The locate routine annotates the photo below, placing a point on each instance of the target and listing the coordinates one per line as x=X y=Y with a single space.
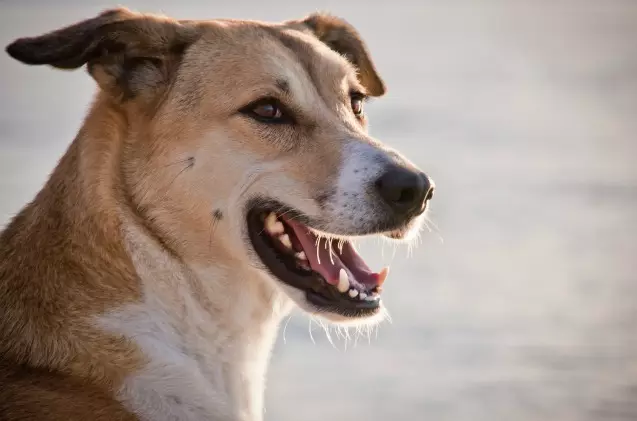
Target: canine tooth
x=301 y=255
x=278 y=228
x=353 y=293
x=362 y=296
x=270 y=220
x=285 y=240
x=370 y=298
x=272 y=225
x=382 y=275
x=343 y=281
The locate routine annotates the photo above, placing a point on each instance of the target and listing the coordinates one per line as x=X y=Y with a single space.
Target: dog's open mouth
x=332 y=274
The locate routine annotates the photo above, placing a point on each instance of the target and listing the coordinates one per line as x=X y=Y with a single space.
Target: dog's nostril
x=430 y=194
x=407 y=195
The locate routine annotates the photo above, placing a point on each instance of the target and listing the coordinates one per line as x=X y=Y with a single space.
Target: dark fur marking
x=283 y=85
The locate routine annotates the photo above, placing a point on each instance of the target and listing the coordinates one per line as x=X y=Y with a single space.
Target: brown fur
x=62 y=258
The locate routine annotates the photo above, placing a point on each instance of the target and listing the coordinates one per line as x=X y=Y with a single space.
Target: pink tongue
x=330 y=266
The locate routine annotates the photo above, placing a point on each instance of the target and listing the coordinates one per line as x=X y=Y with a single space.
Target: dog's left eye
x=357 y=101
x=267 y=110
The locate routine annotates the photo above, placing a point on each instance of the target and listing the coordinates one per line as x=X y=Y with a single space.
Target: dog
x=217 y=182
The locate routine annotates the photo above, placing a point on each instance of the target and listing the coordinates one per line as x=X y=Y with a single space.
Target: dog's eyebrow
x=283 y=85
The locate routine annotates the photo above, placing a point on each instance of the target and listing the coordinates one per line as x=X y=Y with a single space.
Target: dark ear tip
x=376 y=87
x=18 y=50
x=321 y=21
x=379 y=90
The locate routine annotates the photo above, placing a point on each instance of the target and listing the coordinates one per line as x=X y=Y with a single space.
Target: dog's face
x=247 y=145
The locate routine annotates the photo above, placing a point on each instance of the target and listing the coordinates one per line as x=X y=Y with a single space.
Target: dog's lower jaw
x=208 y=360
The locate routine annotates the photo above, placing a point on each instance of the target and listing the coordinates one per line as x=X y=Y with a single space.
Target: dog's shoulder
x=30 y=394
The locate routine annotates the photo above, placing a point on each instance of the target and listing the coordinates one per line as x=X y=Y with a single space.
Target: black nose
x=404 y=190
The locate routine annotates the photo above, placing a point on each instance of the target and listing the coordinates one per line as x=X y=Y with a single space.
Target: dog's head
x=247 y=145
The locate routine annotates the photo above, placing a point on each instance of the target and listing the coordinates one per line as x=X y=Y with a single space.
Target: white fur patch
x=351 y=207
x=206 y=350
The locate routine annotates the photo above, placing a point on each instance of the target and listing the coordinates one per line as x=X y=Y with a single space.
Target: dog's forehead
x=261 y=51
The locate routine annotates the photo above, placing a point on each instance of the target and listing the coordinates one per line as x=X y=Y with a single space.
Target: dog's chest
x=185 y=374
x=195 y=369
x=204 y=359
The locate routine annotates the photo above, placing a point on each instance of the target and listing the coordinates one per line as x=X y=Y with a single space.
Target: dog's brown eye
x=268 y=110
x=357 y=100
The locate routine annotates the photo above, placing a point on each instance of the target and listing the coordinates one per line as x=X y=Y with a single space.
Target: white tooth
x=343 y=281
x=272 y=225
x=353 y=293
x=269 y=222
x=383 y=275
x=301 y=255
x=371 y=298
x=285 y=240
x=277 y=228
x=362 y=296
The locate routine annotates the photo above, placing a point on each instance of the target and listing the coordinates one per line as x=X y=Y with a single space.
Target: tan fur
x=126 y=282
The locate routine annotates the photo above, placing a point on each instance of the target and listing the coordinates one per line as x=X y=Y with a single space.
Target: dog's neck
x=199 y=336
x=207 y=332
x=207 y=329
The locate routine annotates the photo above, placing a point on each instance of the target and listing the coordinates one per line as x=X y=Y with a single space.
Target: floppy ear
x=341 y=37
x=128 y=54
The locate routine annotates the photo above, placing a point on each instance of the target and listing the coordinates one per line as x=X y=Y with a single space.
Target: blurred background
x=521 y=303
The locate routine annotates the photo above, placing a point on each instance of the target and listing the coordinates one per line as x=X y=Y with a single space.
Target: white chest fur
x=206 y=337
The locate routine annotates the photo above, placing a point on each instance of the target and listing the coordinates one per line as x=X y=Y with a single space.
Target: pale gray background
x=525 y=114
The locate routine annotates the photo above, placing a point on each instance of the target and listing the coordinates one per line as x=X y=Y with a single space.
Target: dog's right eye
x=267 y=110
x=270 y=111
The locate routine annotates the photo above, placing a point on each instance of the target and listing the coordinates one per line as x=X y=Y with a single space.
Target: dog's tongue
x=328 y=260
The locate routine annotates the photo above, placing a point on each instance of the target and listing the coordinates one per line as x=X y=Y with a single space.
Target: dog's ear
x=127 y=53
x=343 y=38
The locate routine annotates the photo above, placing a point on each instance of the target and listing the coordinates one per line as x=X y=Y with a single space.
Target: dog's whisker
x=309 y=329
x=430 y=221
x=284 y=213
x=436 y=230
x=285 y=327
x=347 y=334
x=358 y=335
x=327 y=333
x=331 y=251
x=190 y=164
x=318 y=257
